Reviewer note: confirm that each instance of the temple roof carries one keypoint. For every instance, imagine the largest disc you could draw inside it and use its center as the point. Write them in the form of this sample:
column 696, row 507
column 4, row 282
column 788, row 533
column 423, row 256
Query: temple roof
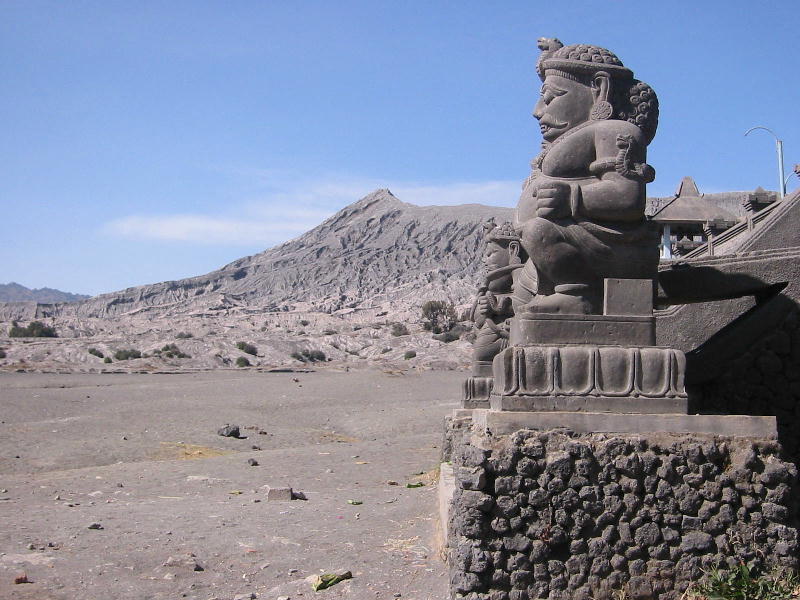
column 688, row 206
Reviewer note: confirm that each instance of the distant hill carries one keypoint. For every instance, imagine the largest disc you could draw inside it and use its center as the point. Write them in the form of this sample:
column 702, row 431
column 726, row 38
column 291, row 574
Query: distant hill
column 14, row 292
column 378, row 251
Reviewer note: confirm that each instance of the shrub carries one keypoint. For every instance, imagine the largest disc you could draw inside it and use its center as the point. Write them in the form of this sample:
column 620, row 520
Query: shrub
column 739, row 583
column 309, row 356
column 247, row 348
column 107, row 359
column 242, row 362
column 438, row 316
column 96, row 352
column 399, row 329
column 409, row 354
column 172, row 351
column 304, row 322
column 127, row 354
column 34, row 329
column 183, row 335
column 2, row 352
column 447, row 336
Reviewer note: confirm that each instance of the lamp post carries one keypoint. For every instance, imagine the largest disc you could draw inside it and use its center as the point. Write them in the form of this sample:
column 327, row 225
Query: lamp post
column 779, row 148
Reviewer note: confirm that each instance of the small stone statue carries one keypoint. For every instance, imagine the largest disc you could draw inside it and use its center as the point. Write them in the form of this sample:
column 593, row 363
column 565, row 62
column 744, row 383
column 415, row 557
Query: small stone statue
column 506, row 285
column 581, row 213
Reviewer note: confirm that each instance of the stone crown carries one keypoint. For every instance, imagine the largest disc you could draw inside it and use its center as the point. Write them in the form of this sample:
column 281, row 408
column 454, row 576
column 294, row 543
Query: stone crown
column 584, row 59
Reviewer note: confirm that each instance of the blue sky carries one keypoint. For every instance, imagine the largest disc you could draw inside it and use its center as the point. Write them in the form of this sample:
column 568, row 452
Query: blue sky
column 146, row 141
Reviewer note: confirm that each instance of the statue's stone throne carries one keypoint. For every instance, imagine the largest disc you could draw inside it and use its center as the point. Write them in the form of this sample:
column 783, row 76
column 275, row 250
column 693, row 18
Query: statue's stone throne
column 597, row 363
column 596, row 373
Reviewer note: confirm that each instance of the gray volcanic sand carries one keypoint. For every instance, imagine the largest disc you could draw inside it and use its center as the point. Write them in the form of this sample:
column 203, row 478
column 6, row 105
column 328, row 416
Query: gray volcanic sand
column 139, row 454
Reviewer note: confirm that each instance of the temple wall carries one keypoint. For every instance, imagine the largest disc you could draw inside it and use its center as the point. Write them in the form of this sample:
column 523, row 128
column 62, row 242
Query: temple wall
column 765, row 380
column 558, row 515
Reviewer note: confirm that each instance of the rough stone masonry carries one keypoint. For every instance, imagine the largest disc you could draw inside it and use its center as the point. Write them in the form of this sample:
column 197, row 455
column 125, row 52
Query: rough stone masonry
column 568, row 516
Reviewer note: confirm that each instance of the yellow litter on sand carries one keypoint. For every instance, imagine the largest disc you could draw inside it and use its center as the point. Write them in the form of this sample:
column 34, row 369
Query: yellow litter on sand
column 326, row 580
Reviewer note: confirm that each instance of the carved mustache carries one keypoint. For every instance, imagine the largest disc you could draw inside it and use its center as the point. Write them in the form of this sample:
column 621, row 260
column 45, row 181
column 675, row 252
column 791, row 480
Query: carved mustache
column 548, row 121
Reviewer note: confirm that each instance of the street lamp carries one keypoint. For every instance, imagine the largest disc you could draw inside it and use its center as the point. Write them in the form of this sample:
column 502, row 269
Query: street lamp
column 779, row 148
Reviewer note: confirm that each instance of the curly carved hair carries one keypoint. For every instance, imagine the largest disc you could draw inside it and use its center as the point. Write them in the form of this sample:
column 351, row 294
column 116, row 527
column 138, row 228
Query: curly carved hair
column 633, row 100
column 588, row 53
column 502, row 233
column 637, row 103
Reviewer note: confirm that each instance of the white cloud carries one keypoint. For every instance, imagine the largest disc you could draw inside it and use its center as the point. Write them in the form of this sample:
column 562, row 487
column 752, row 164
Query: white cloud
column 284, row 207
column 495, row 193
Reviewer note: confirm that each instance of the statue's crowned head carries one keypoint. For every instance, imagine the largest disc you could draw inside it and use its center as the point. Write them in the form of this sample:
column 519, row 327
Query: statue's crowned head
column 503, row 249
column 582, row 83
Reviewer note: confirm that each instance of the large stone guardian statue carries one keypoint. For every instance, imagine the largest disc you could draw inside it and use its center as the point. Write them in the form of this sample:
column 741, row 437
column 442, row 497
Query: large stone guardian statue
column 581, row 213
column 586, row 476
column 584, row 338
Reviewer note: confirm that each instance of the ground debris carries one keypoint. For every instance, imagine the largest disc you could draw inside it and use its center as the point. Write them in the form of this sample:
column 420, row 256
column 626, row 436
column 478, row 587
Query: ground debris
column 326, row 580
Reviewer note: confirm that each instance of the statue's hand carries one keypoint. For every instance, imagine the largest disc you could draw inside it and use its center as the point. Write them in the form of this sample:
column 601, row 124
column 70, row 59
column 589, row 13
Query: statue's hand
column 484, row 306
column 552, row 202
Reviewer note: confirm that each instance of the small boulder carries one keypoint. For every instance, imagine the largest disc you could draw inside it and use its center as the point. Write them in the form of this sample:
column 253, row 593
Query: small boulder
column 229, row 431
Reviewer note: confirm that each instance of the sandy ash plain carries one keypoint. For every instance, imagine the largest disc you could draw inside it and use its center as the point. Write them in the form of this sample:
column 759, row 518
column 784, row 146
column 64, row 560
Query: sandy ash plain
column 139, row 455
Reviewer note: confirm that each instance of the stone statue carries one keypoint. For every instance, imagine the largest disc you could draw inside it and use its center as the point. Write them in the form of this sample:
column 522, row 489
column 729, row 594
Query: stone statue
column 505, row 287
column 581, row 213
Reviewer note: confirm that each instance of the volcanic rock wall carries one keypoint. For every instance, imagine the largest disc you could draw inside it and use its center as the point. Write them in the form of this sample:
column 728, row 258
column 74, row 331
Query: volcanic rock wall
column 560, row 516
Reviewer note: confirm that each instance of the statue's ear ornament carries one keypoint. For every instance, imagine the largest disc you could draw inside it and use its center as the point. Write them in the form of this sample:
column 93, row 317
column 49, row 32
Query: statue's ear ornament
column 601, row 111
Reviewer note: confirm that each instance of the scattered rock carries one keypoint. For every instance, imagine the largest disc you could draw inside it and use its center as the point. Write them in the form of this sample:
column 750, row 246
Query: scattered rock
column 252, row 462
column 95, row 526
column 249, row 596
column 279, row 493
column 229, row 431
column 186, row 562
column 21, row 578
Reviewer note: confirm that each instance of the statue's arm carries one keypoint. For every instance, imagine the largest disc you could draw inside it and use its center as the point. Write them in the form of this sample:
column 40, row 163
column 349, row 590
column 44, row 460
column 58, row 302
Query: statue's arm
column 618, row 194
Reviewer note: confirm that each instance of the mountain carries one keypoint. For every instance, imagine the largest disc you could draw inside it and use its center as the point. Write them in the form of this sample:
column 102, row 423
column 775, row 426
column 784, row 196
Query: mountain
column 14, row 292
column 376, row 251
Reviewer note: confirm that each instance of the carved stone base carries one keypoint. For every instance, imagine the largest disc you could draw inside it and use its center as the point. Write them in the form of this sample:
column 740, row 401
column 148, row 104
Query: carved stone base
column 594, row 378
column 476, row 392
column 502, row 423
column 543, row 328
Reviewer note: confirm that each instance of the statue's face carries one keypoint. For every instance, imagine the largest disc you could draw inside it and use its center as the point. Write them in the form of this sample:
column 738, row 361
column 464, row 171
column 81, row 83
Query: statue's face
column 495, row 256
column 563, row 104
